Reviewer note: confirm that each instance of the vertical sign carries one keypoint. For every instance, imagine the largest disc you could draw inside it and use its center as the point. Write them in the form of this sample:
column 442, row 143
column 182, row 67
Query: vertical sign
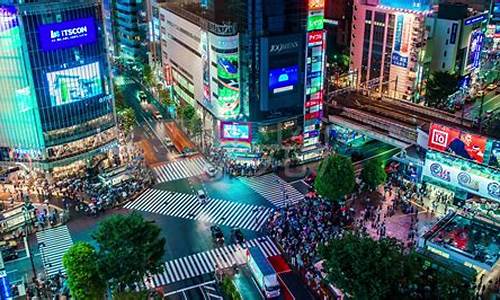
column 205, row 61
column 315, row 52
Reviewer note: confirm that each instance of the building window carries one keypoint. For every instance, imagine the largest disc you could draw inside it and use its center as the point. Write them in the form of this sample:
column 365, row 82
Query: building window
column 443, row 65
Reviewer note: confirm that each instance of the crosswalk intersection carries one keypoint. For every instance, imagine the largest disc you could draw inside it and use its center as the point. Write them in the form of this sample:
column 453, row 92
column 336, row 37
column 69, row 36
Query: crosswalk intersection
column 180, row 169
column 205, row 262
column 272, row 188
column 188, row 206
column 53, row 243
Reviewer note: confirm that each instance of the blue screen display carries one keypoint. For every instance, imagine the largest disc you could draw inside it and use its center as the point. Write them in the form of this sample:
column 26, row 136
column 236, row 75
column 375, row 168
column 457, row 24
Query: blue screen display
column 419, row 5
column 67, row 34
column 283, row 79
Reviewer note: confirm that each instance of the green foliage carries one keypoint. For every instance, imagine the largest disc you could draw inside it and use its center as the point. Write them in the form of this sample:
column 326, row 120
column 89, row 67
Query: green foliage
column 165, row 97
column 127, row 117
column 230, row 289
column 335, row 178
column 195, row 125
column 286, row 133
column 439, row 87
column 268, row 137
column 148, row 75
column 85, row 282
column 373, row 173
column 129, row 248
column 119, row 98
column 369, row 269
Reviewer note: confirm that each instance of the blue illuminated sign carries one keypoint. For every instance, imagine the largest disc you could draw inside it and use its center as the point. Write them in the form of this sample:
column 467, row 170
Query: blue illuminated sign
column 283, row 79
column 453, row 34
column 5, row 292
column 476, row 19
column 400, row 61
column 419, row 5
column 67, row 34
column 398, row 32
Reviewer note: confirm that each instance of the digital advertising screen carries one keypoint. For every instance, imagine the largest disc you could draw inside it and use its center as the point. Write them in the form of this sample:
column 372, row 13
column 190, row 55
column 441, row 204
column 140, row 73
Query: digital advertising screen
column 315, row 22
column 283, row 79
column 401, row 51
column 494, row 157
column 228, row 101
column 418, row 5
column 464, row 174
column 75, row 84
column 459, row 143
column 67, row 34
column 475, row 47
column 233, row 131
column 316, row 4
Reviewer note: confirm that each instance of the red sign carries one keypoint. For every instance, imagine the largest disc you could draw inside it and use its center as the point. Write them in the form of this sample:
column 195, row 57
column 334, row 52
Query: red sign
column 315, row 37
column 312, row 103
column 314, row 115
column 316, row 4
column 457, row 142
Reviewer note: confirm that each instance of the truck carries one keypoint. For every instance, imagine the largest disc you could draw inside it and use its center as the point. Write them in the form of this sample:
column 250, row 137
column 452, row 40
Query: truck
column 263, row 272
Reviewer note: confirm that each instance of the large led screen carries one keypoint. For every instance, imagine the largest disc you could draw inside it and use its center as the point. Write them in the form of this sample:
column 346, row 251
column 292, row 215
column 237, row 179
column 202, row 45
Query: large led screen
column 283, row 79
column 75, row 84
column 494, row 160
column 228, row 101
column 456, row 142
column 67, row 34
column 233, row 131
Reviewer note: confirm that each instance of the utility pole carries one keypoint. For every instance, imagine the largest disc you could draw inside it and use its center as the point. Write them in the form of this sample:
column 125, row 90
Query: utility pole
column 481, row 114
column 27, row 208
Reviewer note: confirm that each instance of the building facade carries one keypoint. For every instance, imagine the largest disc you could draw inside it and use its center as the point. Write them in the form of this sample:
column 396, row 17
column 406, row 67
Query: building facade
column 56, row 105
column 244, row 70
column 387, row 46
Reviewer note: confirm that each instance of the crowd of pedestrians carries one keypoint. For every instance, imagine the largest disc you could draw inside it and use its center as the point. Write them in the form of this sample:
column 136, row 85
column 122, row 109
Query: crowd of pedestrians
column 233, row 167
column 301, row 228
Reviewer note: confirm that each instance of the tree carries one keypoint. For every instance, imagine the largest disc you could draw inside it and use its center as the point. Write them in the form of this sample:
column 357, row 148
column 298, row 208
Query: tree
column 439, row 87
column 195, row 125
column 148, row 75
column 369, row 269
column 373, row 173
column 335, row 177
column 81, row 264
column 119, row 98
column 127, row 118
column 129, row 248
column 165, row 97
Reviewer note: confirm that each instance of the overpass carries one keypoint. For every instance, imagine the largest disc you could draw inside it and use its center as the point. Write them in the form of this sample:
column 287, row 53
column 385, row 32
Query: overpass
column 391, row 121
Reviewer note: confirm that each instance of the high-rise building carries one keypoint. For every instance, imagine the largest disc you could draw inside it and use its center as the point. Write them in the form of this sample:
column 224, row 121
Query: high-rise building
column 56, row 102
column 129, row 29
column 244, row 65
column 387, row 46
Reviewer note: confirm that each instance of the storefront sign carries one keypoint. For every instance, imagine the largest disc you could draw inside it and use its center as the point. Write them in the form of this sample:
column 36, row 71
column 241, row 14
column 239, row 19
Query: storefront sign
column 453, row 34
column 400, row 61
column 278, row 48
column 463, row 179
column 476, row 19
column 67, row 34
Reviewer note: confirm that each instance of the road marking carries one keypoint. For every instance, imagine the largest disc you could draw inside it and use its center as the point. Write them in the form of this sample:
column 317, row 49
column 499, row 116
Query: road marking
column 53, row 243
column 180, row 169
column 270, row 186
column 189, row 288
column 187, row 206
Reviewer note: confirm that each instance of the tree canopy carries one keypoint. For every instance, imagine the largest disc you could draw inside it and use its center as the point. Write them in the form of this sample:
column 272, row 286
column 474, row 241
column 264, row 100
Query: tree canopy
column 81, row 264
column 439, row 87
column 335, row 177
column 370, row 269
column 373, row 173
column 129, row 248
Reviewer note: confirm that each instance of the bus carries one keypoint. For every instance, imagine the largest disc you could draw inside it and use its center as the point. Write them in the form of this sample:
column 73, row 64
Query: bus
column 263, row 272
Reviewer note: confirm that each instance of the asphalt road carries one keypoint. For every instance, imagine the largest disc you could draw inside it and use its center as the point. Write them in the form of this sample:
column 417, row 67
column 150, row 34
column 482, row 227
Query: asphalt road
column 491, row 103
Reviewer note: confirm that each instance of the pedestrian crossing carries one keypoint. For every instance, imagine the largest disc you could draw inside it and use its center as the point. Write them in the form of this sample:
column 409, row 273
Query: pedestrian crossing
column 273, row 189
column 180, row 169
column 53, row 243
column 234, row 214
column 206, row 262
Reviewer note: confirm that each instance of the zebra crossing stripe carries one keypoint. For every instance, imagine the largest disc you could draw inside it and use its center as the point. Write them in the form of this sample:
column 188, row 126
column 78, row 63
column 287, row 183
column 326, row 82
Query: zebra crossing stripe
column 205, row 262
column 187, row 206
column 180, row 169
column 53, row 243
column 270, row 186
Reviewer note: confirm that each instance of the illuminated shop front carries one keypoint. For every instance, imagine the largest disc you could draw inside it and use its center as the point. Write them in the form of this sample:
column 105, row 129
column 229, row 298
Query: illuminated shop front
column 57, row 100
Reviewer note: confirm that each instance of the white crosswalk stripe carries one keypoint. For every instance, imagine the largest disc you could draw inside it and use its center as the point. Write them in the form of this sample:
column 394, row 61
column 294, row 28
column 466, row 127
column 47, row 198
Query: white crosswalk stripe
column 53, row 243
column 180, row 169
column 271, row 187
column 205, row 262
column 188, row 206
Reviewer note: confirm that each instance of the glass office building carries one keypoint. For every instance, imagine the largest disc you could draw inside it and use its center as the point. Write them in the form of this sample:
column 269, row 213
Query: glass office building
column 56, row 102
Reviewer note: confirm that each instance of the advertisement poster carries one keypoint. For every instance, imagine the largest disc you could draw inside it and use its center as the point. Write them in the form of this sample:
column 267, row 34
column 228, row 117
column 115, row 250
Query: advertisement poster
column 456, row 142
column 75, row 84
column 283, row 79
column 228, row 102
column 494, row 160
column 233, row 131
column 473, row 178
column 67, row 34
column 402, row 34
column 475, row 46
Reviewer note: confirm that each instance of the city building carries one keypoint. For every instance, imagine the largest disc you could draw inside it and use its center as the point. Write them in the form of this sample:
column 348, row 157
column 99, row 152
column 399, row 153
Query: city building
column 338, row 22
column 455, row 41
column 388, row 46
column 129, row 29
column 254, row 76
column 56, row 103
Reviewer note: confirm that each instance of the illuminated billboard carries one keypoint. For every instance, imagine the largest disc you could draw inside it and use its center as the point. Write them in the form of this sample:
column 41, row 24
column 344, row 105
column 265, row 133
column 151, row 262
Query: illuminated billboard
column 494, row 155
column 315, row 22
column 474, row 178
column 234, row 131
column 228, row 101
column 75, row 84
column 475, row 47
column 456, row 142
column 67, row 34
column 283, row 79
column 419, row 5
column 402, row 34
column 316, row 4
